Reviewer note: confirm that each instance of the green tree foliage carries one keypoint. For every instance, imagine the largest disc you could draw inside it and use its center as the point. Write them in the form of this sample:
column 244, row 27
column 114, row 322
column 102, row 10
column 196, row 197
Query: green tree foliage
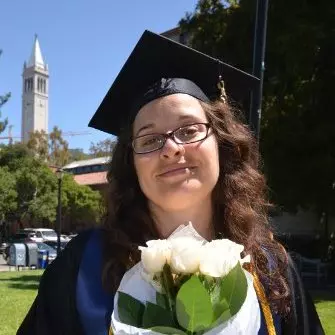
column 78, row 154
column 39, row 144
column 3, row 100
column 29, row 190
column 59, row 148
column 8, row 194
column 297, row 134
column 52, row 147
column 80, row 203
column 37, row 194
column 15, row 155
column 102, row 148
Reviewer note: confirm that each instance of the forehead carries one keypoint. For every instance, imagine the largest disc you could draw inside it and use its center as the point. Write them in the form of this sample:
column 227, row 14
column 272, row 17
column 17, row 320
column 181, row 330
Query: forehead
column 169, row 109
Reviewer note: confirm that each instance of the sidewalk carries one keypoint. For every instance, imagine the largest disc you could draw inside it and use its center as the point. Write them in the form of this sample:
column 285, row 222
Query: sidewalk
column 4, row 266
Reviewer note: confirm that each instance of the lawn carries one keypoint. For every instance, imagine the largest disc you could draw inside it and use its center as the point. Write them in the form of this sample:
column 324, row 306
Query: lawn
column 18, row 290
column 325, row 305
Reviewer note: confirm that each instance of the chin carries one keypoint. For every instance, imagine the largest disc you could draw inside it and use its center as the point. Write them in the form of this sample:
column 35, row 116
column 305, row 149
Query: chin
column 181, row 197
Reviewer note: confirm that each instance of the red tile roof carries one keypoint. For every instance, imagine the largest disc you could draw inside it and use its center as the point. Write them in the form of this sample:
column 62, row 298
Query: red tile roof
column 94, row 178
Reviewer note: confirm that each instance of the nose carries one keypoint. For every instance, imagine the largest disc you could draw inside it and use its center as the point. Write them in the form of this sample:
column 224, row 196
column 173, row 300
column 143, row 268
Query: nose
column 171, row 149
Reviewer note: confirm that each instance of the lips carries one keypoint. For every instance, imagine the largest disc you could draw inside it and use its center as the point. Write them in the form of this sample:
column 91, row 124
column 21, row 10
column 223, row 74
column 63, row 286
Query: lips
column 175, row 170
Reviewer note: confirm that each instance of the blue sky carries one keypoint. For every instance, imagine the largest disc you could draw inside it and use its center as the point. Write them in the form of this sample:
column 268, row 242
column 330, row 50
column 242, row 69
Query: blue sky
column 85, row 44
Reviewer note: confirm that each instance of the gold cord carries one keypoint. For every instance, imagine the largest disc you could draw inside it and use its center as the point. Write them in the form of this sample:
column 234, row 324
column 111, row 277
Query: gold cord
column 264, row 305
column 220, row 86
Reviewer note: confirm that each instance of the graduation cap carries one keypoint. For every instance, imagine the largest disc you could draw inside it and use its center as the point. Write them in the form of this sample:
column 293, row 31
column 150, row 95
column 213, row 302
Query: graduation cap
column 158, row 67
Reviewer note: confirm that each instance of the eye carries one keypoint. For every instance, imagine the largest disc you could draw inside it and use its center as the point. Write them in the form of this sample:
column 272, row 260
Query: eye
column 148, row 142
column 188, row 132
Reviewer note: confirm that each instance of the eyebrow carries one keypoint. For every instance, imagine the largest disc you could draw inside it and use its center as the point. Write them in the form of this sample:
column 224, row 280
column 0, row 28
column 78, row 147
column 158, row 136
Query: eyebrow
column 151, row 125
column 147, row 126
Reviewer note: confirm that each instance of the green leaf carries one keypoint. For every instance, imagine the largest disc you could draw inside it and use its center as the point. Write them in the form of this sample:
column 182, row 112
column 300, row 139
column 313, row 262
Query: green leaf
column 130, row 310
column 193, row 306
column 219, row 305
column 222, row 318
column 168, row 330
column 234, row 289
column 155, row 315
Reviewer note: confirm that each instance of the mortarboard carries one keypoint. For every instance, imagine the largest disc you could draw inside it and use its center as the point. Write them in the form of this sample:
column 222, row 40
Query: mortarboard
column 159, row 66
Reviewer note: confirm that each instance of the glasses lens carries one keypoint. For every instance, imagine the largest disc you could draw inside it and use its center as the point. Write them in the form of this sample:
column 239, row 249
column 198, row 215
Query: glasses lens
column 148, row 143
column 191, row 133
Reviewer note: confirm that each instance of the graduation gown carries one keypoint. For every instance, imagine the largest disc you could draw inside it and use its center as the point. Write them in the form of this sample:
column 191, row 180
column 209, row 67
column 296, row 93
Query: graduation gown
column 71, row 300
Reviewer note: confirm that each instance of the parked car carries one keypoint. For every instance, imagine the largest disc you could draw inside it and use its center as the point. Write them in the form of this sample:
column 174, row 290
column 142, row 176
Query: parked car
column 52, row 253
column 3, row 247
column 44, row 234
column 53, row 244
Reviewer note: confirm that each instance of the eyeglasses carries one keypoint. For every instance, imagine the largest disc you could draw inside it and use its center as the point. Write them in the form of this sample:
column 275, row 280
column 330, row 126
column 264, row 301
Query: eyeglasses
column 184, row 135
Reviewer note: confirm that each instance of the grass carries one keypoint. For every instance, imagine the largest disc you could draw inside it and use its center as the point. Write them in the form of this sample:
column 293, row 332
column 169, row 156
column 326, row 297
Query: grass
column 325, row 306
column 18, row 290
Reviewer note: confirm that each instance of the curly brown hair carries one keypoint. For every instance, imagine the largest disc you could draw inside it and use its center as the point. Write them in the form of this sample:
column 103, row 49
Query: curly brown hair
column 239, row 199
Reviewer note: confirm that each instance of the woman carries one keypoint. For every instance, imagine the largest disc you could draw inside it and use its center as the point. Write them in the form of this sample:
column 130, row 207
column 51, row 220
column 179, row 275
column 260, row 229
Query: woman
column 180, row 157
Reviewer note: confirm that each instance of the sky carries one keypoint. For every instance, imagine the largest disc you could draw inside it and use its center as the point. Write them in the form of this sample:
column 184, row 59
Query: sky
column 85, row 43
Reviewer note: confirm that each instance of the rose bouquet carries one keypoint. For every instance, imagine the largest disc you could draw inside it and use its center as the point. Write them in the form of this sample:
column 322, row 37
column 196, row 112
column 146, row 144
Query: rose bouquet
column 186, row 285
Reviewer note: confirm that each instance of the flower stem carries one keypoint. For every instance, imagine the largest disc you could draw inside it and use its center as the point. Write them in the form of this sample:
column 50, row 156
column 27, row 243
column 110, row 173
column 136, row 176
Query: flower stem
column 170, row 290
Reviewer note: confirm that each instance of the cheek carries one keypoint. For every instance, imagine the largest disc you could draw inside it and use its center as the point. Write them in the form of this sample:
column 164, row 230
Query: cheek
column 210, row 154
column 211, row 165
column 143, row 167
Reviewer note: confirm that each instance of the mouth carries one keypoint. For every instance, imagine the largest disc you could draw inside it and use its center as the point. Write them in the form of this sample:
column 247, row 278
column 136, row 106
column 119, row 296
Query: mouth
column 177, row 171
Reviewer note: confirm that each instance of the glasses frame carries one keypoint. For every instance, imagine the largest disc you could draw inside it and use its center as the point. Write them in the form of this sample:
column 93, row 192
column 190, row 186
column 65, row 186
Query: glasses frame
column 171, row 135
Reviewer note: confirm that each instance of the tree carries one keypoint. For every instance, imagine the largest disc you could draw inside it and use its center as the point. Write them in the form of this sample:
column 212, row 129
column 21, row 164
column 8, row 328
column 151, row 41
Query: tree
column 38, row 143
column 80, row 203
column 3, row 100
column 297, row 137
column 59, row 148
column 28, row 191
column 102, row 148
column 36, row 186
column 77, row 154
column 15, row 156
column 8, row 194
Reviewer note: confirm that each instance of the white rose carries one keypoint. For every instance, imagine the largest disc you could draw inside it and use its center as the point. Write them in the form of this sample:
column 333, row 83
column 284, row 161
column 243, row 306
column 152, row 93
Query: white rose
column 220, row 256
column 185, row 255
column 155, row 255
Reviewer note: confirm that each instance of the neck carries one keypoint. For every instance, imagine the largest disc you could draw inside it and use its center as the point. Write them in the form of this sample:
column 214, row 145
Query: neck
column 168, row 221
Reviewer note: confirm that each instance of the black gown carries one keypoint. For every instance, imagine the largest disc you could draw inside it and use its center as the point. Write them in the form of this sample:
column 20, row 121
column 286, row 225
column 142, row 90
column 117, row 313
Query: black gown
column 55, row 310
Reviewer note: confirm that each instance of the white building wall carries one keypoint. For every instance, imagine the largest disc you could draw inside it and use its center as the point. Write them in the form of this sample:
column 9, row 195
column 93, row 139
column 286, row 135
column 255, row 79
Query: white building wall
column 40, row 113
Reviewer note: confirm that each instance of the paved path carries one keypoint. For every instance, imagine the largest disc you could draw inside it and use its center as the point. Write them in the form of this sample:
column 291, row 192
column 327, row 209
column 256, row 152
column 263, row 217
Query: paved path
column 3, row 265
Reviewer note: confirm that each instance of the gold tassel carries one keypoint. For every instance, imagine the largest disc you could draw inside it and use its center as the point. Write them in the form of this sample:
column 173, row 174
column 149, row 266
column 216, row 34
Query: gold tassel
column 220, row 86
column 264, row 305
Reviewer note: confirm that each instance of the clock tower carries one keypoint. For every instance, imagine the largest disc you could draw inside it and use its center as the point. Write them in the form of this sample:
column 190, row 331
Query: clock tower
column 34, row 94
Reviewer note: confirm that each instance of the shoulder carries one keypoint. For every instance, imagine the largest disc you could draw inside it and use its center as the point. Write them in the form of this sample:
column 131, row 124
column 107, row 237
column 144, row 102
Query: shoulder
column 68, row 261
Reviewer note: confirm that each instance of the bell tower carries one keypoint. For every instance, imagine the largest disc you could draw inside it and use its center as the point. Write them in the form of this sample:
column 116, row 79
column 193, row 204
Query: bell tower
column 35, row 93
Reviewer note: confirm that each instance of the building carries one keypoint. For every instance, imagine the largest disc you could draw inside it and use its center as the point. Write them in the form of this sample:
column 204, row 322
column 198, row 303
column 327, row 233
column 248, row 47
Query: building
column 35, row 93
column 90, row 172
